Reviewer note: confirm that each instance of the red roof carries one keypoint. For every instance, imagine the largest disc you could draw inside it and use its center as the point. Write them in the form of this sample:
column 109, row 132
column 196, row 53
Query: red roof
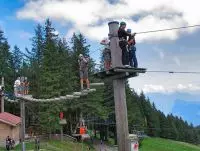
column 9, row 119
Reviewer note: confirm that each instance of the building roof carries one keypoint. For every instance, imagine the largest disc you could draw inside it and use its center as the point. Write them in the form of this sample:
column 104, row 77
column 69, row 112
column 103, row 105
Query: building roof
column 9, row 119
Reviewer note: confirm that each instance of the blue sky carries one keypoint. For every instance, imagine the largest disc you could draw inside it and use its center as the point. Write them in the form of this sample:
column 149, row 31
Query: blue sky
column 172, row 50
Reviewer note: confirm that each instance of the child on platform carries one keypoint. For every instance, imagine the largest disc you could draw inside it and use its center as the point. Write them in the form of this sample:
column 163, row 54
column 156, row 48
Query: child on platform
column 106, row 53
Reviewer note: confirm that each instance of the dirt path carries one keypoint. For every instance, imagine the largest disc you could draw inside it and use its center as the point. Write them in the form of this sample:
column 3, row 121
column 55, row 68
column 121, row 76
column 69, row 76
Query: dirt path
column 101, row 146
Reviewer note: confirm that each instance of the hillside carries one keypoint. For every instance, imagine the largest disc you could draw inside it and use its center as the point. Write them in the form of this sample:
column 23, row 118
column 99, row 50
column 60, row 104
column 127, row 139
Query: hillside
column 158, row 144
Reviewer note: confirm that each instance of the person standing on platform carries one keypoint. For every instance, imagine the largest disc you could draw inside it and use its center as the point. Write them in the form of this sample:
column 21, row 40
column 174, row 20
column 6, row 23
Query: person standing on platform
column 123, row 34
column 22, row 86
column 17, row 86
column 106, row 53
column 83, row 70
column 26, row 83
column 132, row 50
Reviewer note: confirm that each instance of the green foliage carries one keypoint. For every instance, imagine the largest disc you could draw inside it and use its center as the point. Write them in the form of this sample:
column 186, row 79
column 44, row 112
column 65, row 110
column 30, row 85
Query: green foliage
column 157, row 144
column 51, row 66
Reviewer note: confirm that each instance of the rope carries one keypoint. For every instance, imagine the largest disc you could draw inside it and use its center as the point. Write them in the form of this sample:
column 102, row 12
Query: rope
column 172, row 72
column 168, row 29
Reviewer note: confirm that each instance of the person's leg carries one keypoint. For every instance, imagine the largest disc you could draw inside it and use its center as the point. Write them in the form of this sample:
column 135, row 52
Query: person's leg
column 86, row 78
column 121, row 45
column 106, row 65
column 88, row 83
column 131, row 58
column 135, row 60
column 126, row 56
column 81, row 79
column 109, row 64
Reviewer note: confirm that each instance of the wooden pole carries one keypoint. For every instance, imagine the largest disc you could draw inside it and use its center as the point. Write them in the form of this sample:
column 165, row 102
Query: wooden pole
column 61, row 133
column 2, row 96
column 119, row 90
column 22, row 112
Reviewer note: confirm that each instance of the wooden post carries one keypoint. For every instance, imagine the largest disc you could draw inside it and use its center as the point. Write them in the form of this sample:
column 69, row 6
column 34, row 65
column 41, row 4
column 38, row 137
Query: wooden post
column 119, row 90
column 61, row 133
column 2, row 96
column 22, row 134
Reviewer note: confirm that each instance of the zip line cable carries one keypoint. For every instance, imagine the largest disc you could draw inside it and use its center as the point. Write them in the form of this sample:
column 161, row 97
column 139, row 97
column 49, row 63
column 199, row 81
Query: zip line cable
column 161, row 30
column 172, row 72
column 151, row 31
column 167, row 29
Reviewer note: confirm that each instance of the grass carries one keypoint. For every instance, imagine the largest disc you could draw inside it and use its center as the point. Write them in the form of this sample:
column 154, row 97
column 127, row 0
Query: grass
column 158, row 144
column 55, row 146
column 148, row 144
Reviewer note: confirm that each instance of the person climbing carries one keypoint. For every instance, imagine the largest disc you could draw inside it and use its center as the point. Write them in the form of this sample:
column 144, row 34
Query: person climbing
column 132, row 50
column 83, row 70
column 106, row 53
column 122, row 34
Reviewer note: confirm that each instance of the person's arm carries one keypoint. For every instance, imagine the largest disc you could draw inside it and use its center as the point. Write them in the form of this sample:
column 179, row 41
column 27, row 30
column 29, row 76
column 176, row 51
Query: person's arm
column 85, row 60
column 126, row 33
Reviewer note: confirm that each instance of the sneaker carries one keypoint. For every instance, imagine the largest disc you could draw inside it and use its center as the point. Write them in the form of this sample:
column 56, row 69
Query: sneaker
column 107, row 72
column 126, row 66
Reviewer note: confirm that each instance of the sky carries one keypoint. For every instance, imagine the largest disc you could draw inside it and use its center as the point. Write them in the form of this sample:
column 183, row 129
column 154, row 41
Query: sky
column 176, row 50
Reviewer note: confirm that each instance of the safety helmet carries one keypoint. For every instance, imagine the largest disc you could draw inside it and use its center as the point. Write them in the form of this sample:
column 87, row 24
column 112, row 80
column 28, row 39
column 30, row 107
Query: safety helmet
column 81, row 55
column 122, row 23
column 129, row 30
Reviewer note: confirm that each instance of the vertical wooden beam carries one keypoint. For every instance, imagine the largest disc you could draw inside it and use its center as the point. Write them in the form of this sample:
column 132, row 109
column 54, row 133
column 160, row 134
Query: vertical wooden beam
column 61, row 133
column 116, row 52
column 2, row 96
column 119, row 90
column 22, row 132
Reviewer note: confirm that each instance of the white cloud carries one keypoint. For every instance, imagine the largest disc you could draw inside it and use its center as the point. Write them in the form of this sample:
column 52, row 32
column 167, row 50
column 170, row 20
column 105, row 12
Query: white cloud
column 160, row 52
column 91, row 16
column 152, row 88
column 177, row 61
column 56, row 32
column 70, row 33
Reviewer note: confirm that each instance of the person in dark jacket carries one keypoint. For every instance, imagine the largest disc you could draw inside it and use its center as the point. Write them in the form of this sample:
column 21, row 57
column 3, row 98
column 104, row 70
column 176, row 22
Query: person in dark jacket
column 8, row 143
column 123, row 34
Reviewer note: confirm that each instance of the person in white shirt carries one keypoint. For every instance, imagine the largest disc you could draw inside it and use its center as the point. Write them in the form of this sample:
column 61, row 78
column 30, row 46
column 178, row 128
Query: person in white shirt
column 17, row 86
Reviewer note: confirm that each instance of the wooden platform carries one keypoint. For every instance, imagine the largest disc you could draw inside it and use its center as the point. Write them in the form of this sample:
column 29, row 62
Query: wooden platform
column 120, row 72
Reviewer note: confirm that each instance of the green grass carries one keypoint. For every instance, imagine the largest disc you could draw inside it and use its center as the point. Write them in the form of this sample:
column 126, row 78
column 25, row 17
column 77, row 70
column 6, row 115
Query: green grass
column 149, row 144
column 55, row 146
column 158, row 144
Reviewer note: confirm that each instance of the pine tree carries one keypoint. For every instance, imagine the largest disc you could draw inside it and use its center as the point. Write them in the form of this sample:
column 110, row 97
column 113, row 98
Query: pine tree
column 50, row 66
column 6, row 63
column 36, row 56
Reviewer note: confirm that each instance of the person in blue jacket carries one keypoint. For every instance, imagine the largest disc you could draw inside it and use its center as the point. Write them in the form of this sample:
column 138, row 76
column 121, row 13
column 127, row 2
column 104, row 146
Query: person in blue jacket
column 132, row 50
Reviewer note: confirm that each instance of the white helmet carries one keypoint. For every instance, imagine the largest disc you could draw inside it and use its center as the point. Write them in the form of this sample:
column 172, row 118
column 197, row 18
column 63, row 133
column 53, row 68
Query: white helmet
column 81, row 55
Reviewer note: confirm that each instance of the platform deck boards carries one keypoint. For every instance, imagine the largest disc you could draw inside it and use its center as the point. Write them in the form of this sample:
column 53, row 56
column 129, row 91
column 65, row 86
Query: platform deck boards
column 120, row 72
